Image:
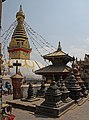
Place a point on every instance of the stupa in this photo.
(19, 49)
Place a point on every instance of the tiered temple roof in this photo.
(59, 60)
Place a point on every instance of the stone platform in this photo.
(53, 112)
(31, 106)
(74, 112)
(25, 105)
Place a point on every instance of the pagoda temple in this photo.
(59, 67)
(19, 50)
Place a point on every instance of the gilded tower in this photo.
(19, 47)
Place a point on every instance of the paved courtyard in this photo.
(76, 113)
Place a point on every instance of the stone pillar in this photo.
(16, 82)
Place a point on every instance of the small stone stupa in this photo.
(52, 101)
(65, 92)
(73, 87)
(53, 105)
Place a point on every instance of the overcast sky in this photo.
(66, 21)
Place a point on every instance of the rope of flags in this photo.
(38, 36)
(6, 37)
(37, 40)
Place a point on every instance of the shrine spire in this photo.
(19, 46)
(59, 47)
(20, 14)
(20, 8)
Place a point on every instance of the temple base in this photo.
(53, 112)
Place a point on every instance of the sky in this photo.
(66, 21)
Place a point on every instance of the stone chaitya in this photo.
(65, 92)
(76, 71)
(53, 96)
(84, 69)
(52, 101)
(73, 87)
(53, 104)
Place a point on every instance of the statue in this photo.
(30, 91)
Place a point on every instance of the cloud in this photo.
(87, 40)
(78, 52)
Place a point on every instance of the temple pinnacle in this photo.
(20, 8)
(59, 47)
(20, 13)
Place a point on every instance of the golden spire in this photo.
(59, 47)
(20, 30)
(20, 14)
(19, 47)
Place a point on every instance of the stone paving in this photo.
(80, 112)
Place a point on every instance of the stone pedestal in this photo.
(16, 82)
(73, 87)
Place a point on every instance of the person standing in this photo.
(9, 88)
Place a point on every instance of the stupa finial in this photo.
(20, 8)
(59, 47)
(20, 13)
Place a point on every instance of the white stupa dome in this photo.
(27, 68)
